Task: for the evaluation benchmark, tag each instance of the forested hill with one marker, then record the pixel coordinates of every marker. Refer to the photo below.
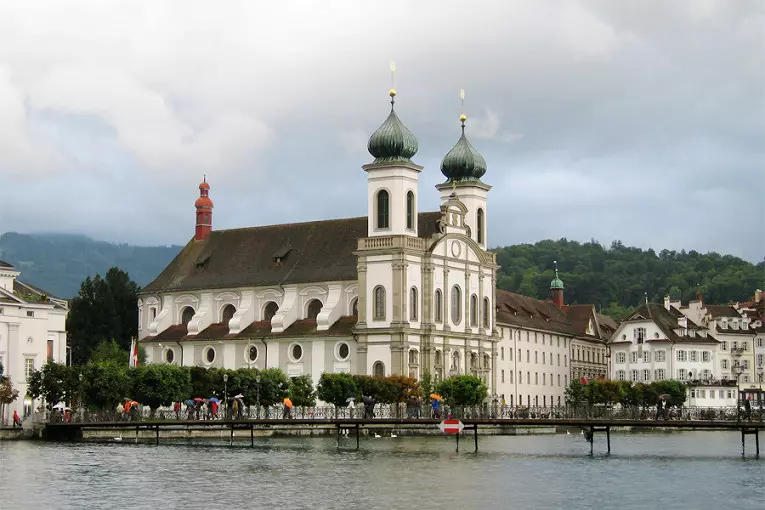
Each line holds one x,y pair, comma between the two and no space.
614,279
618,278
58,263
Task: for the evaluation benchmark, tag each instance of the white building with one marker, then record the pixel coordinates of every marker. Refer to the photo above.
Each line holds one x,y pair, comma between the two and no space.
32,331
397,291
656,343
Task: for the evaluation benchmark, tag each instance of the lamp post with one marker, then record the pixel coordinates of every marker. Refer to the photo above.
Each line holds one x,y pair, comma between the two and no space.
737,370
81,406
257,393
225,389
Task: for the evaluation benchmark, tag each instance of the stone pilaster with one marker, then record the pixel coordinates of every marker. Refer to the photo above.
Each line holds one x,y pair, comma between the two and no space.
361,268
447,299
466,307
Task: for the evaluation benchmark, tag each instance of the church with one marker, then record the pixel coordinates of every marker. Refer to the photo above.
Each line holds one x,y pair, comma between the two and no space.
398,291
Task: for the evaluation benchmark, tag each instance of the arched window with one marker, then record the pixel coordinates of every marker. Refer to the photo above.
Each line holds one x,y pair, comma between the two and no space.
355,307
456,304
456,360
439,358
473,360
227,313
473,310
269,311
486,361
186,315
486,312
479,226
378,369
314,307
413,304
413,357
410,210
383,204
379,294
438,306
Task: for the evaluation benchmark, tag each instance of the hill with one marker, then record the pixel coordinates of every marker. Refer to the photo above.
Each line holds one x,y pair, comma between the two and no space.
618,278
59,263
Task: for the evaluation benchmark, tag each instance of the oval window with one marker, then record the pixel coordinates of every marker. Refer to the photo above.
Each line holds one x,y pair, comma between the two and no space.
252,353
169,356
343,351
210,355
297,352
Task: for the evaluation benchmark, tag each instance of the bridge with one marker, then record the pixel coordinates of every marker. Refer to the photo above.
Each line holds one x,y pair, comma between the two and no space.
591,423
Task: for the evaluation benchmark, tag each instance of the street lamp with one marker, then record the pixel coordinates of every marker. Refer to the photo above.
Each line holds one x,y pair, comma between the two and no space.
82,407
225,388
737,370
257,393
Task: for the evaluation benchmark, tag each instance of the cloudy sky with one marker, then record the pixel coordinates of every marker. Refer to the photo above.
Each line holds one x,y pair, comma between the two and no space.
635,120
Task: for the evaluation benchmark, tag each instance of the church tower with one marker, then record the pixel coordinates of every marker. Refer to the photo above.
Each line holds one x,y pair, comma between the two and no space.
556,288
463,167
204,212
392,179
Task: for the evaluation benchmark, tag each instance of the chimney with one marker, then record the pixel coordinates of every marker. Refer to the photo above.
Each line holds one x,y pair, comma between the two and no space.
666,301
204,208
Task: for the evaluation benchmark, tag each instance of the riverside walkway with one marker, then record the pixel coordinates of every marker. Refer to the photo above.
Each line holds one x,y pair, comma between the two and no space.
473,419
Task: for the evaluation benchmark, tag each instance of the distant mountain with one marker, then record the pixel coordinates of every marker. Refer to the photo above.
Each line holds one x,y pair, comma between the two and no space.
58,263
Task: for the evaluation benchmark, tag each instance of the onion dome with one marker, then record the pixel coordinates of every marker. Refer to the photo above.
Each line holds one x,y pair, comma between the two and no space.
392,142
204,199
557,283
463,162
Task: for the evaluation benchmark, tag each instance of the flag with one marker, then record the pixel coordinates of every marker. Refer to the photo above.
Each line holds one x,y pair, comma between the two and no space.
133,358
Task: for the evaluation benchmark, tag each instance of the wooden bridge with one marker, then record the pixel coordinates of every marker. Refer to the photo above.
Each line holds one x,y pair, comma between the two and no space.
62,431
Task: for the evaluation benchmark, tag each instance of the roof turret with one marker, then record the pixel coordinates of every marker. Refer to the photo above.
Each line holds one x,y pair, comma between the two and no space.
392,142
463,162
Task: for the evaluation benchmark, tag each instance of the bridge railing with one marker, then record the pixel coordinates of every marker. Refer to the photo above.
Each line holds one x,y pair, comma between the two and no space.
402,411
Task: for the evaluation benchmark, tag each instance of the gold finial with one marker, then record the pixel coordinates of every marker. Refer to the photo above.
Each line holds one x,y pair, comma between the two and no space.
392,91
463,117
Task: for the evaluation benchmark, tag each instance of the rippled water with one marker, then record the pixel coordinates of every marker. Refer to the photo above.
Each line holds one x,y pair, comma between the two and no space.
663,470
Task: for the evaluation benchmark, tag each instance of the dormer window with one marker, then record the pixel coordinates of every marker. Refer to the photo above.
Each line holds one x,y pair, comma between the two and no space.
724,324
281,254
639,335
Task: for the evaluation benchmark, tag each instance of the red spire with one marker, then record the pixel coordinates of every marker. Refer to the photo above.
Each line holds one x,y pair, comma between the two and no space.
204,212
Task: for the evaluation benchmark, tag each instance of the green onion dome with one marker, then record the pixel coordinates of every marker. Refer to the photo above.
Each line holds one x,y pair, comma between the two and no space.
557,283
463,162
392,142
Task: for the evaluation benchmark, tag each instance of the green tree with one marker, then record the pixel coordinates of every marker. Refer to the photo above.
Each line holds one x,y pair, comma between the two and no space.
110,350
463,390
105,308
160,384
301,391
54,382
105,384
576,394
335,389
8,394
675,391
274,386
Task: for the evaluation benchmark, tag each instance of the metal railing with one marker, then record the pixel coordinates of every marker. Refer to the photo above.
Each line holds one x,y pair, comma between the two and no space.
402,411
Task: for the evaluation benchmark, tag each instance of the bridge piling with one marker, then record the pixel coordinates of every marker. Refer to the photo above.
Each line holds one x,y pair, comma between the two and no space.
357,436
252,436
231,440
475,436
338,435
157,429
608,439
458,442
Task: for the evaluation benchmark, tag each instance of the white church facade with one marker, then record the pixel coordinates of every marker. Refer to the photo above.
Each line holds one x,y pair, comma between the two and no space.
397,291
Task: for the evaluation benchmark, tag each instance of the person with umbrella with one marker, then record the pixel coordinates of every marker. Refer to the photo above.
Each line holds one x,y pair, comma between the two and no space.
214,407
369,407
660,408
287,413
436,404
351,404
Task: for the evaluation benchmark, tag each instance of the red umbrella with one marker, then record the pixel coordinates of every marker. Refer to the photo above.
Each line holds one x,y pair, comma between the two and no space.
198,399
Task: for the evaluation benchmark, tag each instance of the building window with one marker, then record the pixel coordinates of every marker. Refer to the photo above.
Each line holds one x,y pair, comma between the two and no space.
660,356
646,375
647,357
682,355
639,334
413,303
355,307
227,313
486,312
724,364
269,311
558,379
693,356
30,313
634,375
186,315
706,356
383,218
29,367
479,226
536,357
410,210
439,358
633,357
502,353
152,314
50,350
682,374
437,306
169,356
456,304
759,342
210,355
413,357
620,375
252,353
660,374
473,310
621,357
343,351
313,310
296,352
379,294
378,369
724,345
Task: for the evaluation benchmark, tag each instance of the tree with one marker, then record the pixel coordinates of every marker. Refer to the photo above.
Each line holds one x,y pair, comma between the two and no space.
676,390
105,308
463,390
105,384
8,394
576,394
301,391
54,382
110,350
158,385
274,386
335,389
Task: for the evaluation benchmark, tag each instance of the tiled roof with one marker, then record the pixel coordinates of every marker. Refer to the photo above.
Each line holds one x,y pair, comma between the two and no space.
579,316
522,311
607,323
731,331
5,265
257,330
316,251
722,311
666,320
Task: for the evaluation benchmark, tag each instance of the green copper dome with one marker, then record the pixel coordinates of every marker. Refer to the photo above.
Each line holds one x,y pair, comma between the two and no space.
557,283
463,162
392,142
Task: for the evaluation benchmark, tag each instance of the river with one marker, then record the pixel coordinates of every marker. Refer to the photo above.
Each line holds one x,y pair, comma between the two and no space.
679,470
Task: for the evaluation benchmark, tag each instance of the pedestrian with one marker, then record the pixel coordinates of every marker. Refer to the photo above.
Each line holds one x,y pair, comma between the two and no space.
120,409
287,412
436,408
351,403
747,409
177,409
660,409
16,419
214,406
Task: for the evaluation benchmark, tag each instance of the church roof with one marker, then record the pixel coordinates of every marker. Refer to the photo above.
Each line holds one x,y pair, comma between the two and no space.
5,264
317,251
523,311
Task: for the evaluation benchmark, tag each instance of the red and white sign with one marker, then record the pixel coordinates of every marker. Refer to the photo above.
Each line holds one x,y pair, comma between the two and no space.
451,426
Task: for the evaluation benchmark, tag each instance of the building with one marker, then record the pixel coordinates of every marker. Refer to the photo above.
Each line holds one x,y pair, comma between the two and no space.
543,345
32,331
398,291
658,342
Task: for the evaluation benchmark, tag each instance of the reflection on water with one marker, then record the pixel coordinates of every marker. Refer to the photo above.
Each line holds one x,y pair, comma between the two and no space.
667,470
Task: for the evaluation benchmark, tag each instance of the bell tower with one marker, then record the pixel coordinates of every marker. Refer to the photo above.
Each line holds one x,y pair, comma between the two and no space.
204,208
